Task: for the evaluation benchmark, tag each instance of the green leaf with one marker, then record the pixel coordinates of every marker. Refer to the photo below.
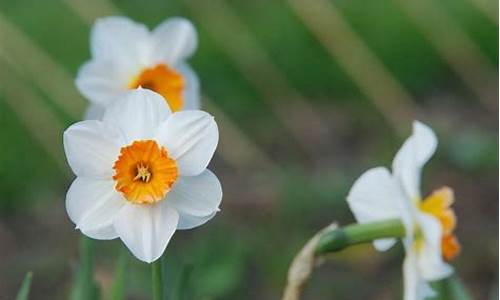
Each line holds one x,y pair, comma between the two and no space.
118,286
84,286
24,291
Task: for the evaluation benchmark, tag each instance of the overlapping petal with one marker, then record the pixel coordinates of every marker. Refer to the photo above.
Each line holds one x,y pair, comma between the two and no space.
122,40
411,158
187,221
94,112
102,81
430,260
92,205
415,288
146,229
191,94
190,137
137,115
175,40
91,148
376,196
197,196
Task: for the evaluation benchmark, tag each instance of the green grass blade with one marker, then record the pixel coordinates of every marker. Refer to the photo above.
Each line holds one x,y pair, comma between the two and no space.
84,286
118,286
24,291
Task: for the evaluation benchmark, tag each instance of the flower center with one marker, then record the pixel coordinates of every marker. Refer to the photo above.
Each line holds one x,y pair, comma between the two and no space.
144,173
163,80
438,204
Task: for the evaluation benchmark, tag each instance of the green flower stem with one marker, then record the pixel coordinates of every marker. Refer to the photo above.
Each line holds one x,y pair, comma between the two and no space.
340,238
450,288
156,278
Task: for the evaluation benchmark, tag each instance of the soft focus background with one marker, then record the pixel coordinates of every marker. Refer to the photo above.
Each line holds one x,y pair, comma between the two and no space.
307,94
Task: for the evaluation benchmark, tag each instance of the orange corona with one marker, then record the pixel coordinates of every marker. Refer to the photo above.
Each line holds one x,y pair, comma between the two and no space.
144,172
438,204
163,80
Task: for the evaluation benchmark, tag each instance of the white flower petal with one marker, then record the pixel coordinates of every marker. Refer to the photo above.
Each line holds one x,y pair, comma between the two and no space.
102,81
191,94
94,112
197,196
137,114
410,277
430,260
375,196
190,137
91,148
105,233
146,229
175,40
426,290
187,221
415,288
411,158
121,40
92,205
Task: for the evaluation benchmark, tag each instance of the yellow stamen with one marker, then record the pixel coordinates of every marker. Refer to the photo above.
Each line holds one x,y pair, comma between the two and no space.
142,173
163,80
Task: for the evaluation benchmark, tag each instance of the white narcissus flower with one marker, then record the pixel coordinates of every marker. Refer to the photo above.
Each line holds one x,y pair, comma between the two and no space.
141,173
379,195
126,55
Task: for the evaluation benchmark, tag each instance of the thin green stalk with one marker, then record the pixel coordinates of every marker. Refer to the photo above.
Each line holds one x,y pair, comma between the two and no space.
450,288
24,291
118,287
340,238
156,279
84,286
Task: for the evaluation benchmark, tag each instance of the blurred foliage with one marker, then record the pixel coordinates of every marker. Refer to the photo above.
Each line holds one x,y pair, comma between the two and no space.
24,290
119,277
84,286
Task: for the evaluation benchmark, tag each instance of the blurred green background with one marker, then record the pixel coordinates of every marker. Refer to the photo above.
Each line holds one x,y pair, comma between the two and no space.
307,94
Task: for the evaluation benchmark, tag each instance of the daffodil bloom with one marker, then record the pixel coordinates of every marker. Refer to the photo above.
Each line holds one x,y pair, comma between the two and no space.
126,55
141,173
379,194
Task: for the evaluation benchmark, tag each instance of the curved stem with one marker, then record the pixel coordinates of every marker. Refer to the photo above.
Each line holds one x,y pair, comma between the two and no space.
156,279
340,238
333,239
